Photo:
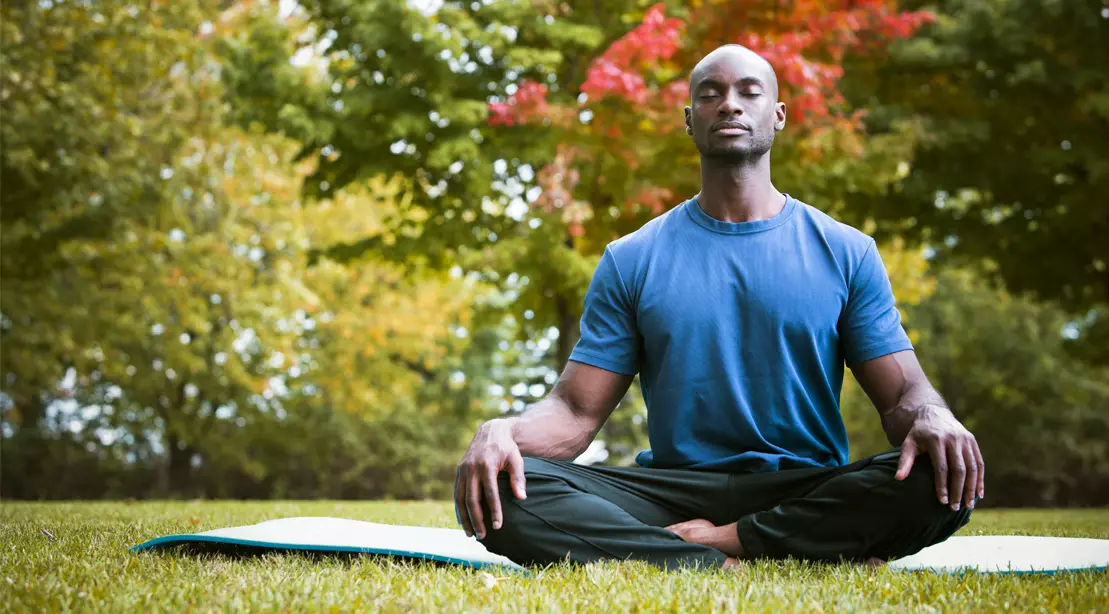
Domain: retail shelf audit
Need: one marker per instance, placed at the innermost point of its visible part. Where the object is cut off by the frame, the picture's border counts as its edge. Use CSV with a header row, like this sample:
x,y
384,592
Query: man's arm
x,y
916,419
561,426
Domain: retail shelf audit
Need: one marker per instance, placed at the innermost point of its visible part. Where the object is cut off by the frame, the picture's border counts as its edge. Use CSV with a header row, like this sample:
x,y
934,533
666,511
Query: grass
x,y
86,566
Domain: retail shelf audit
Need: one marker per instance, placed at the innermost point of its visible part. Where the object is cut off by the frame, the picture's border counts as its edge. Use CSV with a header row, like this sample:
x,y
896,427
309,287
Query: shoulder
x,y
838,235
638,244
851,249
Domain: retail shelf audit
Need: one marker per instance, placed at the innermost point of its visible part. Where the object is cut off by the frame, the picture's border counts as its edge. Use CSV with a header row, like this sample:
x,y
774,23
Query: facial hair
x,y
756,147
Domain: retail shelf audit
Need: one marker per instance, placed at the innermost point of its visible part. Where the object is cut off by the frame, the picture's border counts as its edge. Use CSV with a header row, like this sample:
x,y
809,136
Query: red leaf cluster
x,y
618,71
529,102
806,41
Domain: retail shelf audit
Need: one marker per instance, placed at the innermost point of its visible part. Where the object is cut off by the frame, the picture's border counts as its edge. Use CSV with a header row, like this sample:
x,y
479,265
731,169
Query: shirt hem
x,y
601,362
877,351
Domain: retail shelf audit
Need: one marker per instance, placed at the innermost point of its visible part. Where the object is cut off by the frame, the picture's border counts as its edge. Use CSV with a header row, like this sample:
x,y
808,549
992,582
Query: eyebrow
x,y
709,81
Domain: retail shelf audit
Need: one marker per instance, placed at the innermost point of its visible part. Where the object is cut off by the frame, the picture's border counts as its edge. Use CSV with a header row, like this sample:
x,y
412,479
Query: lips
x,y
730,128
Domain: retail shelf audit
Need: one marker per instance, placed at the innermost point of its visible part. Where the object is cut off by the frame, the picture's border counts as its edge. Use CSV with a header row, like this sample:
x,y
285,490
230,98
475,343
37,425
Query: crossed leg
x,y
857,512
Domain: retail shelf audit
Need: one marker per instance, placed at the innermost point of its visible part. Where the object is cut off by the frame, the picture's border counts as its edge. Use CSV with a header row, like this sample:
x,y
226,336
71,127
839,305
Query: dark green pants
x,y
583,513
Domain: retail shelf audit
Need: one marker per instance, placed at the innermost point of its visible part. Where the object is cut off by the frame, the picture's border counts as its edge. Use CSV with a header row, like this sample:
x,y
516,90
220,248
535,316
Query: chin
x,y
731,155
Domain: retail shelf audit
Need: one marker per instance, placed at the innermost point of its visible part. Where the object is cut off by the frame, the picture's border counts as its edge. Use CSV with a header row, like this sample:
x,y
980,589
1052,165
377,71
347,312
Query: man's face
x,y
734,109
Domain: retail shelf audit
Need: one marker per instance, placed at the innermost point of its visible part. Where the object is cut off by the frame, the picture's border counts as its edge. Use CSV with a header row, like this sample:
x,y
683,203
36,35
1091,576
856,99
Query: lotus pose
x,y
738,309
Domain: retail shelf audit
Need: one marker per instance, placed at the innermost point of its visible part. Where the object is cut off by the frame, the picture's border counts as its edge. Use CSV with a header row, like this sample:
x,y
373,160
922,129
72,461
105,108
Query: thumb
x,y
908,455
516,469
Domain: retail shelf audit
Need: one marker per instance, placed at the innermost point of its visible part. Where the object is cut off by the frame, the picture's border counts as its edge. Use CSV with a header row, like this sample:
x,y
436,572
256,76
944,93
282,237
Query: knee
x,y
918,497
511,539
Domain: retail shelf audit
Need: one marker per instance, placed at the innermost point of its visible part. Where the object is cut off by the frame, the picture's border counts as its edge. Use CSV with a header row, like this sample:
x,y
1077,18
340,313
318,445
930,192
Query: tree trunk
x,y
568,329
173,474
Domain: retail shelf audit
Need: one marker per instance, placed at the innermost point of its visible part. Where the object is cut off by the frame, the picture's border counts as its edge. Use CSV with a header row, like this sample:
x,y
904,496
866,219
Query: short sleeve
x,y
609,337
870,326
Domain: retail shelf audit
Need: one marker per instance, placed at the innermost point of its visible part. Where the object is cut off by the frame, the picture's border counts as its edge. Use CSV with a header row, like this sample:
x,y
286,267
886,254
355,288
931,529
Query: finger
x,y
460,501
908,455
473,502
971,484
939,464
981,470
957,469
516,469
493,497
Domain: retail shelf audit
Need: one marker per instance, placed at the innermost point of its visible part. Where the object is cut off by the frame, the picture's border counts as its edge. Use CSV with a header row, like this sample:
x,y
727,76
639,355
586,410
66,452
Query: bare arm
x,y
561,426
916,418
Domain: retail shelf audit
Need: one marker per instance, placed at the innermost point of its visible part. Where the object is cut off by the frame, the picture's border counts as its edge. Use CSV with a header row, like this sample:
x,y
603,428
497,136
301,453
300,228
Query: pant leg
x,y
854,513
583,514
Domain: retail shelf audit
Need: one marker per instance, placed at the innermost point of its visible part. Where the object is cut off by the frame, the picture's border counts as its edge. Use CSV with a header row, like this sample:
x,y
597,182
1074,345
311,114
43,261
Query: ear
x,y
689,121
780,117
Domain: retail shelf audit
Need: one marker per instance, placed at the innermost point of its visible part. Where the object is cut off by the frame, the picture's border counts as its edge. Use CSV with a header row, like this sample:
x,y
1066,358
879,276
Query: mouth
x,y
730,128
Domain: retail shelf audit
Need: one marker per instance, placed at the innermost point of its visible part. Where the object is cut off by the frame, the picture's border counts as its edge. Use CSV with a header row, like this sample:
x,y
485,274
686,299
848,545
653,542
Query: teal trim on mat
x,y
1034,572
171,540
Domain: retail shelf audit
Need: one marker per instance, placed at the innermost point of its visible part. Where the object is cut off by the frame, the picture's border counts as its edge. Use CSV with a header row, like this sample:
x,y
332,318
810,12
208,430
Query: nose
x,y
730,104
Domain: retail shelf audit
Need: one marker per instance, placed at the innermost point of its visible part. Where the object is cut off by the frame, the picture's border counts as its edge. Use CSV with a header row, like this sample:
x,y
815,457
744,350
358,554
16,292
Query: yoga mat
x,y
322,534
1009,554
984,553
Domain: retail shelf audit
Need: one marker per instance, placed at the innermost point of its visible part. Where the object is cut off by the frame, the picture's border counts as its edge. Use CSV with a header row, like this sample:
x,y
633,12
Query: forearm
x,y
916,399
552,429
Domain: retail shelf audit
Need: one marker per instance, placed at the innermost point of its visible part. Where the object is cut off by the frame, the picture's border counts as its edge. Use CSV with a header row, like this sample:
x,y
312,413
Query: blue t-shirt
x,y
740,332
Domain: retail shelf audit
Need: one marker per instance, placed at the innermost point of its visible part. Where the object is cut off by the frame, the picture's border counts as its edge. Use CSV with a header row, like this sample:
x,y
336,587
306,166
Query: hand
x,y
960,470
492,450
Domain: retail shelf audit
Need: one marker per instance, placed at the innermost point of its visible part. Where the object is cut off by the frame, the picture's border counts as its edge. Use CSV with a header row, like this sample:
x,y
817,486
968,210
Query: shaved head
x,y
734,109
727,53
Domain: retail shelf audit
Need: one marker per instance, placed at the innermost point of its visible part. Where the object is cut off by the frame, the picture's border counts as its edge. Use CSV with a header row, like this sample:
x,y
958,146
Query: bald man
x,y
739,309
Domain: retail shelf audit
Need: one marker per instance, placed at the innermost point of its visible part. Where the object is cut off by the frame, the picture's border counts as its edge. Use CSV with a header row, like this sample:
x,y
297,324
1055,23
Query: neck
x,y
739,192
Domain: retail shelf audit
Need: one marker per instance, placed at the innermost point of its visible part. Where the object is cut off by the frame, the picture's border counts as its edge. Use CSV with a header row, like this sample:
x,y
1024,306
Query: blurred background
x,y
303,249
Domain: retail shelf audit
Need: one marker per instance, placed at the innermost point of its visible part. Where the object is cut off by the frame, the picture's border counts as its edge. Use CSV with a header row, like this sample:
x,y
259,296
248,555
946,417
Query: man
x,y
738,309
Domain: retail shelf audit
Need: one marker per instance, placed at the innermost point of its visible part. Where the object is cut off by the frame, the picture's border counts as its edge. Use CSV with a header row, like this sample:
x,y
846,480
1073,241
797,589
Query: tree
x,y
191,331
1011,104
87,138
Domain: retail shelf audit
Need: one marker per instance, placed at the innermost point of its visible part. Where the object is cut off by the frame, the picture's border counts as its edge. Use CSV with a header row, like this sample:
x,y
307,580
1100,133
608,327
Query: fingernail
x,y
943,499
496,525
955,506
971,504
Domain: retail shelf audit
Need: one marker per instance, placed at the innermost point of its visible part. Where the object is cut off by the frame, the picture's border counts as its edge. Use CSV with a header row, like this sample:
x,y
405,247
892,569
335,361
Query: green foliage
x,y
1011,104
187,347
67,571
97,99
228,274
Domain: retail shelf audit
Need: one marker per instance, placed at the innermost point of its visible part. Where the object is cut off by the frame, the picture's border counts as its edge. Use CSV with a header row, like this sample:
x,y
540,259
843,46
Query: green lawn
x,y
86,566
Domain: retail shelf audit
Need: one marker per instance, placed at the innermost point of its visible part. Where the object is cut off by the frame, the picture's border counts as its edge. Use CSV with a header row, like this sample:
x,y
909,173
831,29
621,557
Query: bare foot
x,y
690,530
700,531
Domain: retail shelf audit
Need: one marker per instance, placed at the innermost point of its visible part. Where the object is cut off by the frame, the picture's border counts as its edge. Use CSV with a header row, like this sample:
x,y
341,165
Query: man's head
x,y
734,109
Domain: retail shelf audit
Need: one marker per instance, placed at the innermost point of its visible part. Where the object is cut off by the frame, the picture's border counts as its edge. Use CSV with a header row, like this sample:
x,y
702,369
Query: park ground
x,y
74,556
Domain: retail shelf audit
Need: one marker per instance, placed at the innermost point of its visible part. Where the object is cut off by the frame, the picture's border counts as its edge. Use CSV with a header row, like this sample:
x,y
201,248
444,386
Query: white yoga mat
x,y
1009,554
321,534
984,554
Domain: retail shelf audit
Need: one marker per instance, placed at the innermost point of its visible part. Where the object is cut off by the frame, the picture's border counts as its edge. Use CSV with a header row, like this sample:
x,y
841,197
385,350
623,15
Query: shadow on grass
x,y
240,552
